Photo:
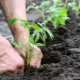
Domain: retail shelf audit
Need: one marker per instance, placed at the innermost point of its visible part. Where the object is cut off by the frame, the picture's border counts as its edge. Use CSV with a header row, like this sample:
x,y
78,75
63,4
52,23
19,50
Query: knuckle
x,y
3,71
20,62
12,68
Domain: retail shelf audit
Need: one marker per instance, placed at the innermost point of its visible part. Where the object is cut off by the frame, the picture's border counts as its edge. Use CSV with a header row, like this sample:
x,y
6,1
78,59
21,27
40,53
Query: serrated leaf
x,y
24,23
37,8
12,20
35,26
45,35
52,16
20,43
29,46
72,4
31,39
66,18
29,7
62,21
39,44
53,10
57,1
45,4
49,33
74,8
37,37
55,22
63,11
15,44
40,24
35,54
24,52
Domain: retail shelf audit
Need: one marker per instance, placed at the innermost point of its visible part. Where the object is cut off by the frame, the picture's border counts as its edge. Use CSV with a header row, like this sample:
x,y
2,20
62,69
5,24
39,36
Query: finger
x,y
39,63
20,70
12,73
33,61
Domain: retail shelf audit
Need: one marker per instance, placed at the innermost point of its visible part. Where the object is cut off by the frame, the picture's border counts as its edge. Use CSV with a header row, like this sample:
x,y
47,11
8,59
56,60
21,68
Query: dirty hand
x,y
34,60
10,61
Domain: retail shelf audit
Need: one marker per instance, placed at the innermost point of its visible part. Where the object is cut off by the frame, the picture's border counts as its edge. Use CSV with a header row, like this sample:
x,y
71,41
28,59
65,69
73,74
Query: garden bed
x,y
61,60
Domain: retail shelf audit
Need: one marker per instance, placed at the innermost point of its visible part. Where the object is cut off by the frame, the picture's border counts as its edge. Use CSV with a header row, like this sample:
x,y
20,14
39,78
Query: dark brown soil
x,y
61,59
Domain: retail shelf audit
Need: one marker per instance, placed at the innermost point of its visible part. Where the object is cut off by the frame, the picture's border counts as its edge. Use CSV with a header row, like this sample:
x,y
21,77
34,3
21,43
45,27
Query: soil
x,y
61,60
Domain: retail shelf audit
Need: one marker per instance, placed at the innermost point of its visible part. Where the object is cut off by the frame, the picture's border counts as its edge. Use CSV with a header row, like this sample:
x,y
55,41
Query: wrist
x,y
16,28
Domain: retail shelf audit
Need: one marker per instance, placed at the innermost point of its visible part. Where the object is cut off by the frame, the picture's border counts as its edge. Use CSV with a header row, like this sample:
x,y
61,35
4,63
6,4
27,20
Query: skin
x,y
12,60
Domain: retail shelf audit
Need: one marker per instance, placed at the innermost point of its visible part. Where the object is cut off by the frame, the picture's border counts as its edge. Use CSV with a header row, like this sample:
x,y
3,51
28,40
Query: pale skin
x,y
11,60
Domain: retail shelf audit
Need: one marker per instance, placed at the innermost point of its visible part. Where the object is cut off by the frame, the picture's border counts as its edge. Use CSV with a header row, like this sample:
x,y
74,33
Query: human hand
x,y
10,61
34,61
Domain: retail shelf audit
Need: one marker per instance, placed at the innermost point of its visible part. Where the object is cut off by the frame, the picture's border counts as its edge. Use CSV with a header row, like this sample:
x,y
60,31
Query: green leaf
x,y
29,7
37,37
37,8
35,54
40,24
57,2
51,16
35,26
29,46
62,21
49,33
45,4
74,8
20,43
24,23
72,4
55,22
39,44
66,18
24,52
12,20
63,11
31,39
53,10
45,36
15,44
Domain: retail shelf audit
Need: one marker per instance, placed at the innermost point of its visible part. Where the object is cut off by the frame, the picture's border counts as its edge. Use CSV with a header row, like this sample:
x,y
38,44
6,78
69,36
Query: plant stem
x,y
43,16
77,13
44,23
65,5
28,49
28,55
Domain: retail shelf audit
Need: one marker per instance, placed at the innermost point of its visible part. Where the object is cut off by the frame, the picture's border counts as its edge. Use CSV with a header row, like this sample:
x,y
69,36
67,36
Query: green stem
x,y
77,13
66,3
28,49
28,55
43,16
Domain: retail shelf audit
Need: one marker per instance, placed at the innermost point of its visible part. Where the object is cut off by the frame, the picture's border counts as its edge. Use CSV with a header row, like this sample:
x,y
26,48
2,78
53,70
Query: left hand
x,y
34,61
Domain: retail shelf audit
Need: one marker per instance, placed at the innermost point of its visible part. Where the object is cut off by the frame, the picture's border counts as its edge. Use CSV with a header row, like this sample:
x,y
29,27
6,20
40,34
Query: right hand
x,y
10,61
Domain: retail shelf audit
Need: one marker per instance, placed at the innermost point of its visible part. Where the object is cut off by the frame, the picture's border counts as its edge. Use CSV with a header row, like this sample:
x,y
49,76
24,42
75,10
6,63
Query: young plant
x,y
33,39
75,6
57,13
